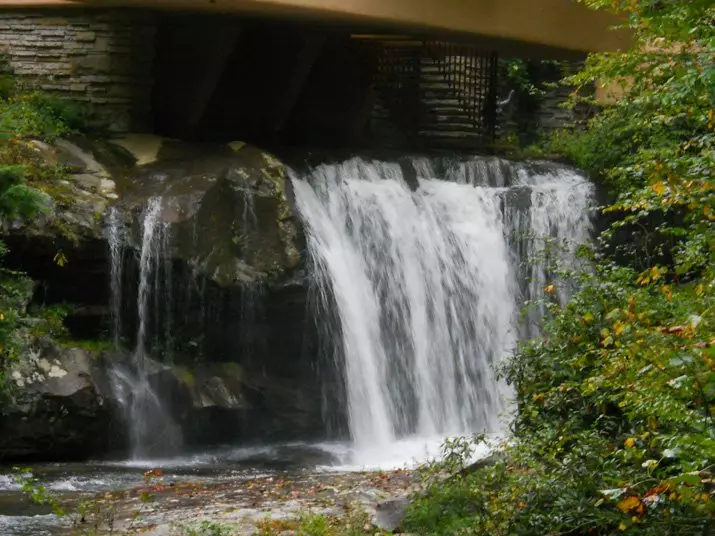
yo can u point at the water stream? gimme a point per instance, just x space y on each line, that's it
151 429
427 279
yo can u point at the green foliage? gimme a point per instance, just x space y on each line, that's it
314 525
37 493
27 116
33 114
615 431
204 528
49 322
17 201
29 186
355 522
526 77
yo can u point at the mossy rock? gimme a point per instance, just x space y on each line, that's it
80 176
226 209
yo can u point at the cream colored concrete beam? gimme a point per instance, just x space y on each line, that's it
561 24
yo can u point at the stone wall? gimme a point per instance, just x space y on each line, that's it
102 58
551 115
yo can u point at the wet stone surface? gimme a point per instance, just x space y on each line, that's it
160 507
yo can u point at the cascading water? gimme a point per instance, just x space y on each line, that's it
427 282
151 428
115 239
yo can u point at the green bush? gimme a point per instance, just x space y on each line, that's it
26 188
27 113
17 201
37 115
204 528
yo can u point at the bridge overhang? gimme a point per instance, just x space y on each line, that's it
563 25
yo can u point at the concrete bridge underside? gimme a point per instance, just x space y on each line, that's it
507 25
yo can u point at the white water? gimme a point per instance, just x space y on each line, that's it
115 240
151 428
427 284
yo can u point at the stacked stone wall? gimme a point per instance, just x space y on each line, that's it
101 58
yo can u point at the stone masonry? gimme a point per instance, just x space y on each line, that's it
102 58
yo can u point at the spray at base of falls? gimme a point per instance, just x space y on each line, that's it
427 283
151 428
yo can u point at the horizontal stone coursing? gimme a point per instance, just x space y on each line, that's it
101 58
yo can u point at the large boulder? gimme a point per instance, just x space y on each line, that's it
225 207
223 402
57 411
68 404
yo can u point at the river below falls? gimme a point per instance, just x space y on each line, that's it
239 486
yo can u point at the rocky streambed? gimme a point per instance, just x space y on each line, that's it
253 490
266 502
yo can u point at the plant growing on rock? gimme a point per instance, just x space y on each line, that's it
27 185
17 200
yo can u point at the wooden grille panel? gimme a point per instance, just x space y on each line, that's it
437 95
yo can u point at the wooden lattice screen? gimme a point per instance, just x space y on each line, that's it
437 95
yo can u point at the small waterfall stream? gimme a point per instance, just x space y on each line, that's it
151 428
115 239
427 280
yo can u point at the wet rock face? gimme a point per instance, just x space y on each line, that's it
226 207
223 402
59 411
66 407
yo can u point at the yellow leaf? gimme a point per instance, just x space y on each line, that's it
618 328
549 289
630 443
630 504
60 259
665 289
622 527
655 273
659 188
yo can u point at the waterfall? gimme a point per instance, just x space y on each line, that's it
427 281
115 239
151 428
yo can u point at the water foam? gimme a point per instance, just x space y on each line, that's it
427 281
